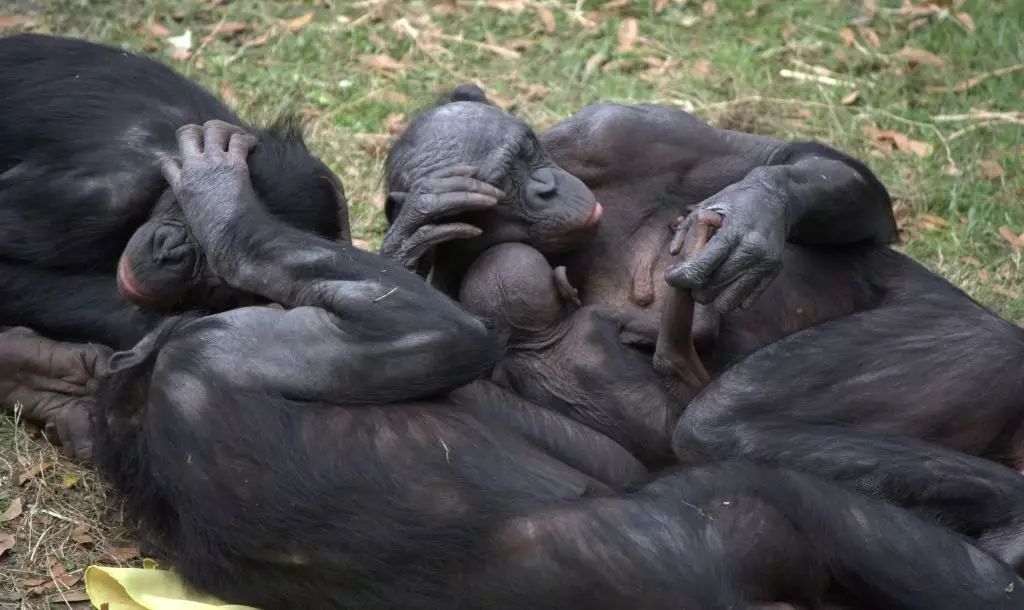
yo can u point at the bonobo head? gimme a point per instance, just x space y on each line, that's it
162 266
545 206
514 285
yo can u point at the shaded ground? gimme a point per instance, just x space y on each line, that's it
931 96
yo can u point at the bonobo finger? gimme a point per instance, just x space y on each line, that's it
697 272
241 145
739 290
217 134
171 169
464 183
429 236
681 231
756 294
456 203
453 170
190 140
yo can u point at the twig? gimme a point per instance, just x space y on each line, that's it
816 78
974 81
508 53
1016 118
956 135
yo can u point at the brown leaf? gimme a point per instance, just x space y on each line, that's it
970 260
229 28
614 64
593 63
13 511
991 169
847 36
158 30
701 68
149 46
869 36
25 583
70 596
615 5
935 220
13 21
499 101
395 123
709 9
180 54
660 6
889 140
294 25
1006 292
984 275
383 62
1015 241
919 56
547 18
6 543
125 553
81 536
228 94
628 31
966 21
259 41
32 472
851 98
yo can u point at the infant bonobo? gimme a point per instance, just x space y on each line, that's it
466 176
574 360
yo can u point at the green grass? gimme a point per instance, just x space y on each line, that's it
724 68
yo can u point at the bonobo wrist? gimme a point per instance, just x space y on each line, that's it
773 183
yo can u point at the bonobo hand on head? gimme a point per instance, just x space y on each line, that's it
538 203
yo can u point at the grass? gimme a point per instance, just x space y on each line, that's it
544 60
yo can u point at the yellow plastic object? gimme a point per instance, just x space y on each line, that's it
146 588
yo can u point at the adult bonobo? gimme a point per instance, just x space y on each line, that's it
465 176
864 346
84 209
311 458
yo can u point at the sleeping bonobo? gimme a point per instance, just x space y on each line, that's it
573 360
312 457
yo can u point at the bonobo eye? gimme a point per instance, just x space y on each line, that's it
542 184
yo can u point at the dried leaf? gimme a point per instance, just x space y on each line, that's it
395 123
6 543
25 583
869 36
970 260
1006 292
615 5
951 170
919 56
847 36
889 140
81 536
918 24
508 6
701 68
614 64
984 275
125 553
13 21
935 220
593 63
991 169
851 98
183 42
32 472
158 30
689 21
294 25
547 18
229 28
383 62
499 101
69 480
70 596
921 149
966 21
628 31
709 9
13 511
660 6
149 46
1015 241
228 94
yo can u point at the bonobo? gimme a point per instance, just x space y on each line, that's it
573 360
84 208
309 457
484 174
845 352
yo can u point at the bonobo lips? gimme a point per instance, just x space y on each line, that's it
126 283
595 215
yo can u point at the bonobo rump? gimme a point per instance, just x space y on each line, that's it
312 457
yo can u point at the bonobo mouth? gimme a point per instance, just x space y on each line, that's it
127 285
595 215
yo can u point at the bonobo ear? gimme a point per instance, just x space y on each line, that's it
468 92
146 348
393 206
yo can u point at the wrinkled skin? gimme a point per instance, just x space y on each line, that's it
52 383
223 434
571 360
465 176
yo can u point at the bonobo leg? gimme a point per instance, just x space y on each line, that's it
841 399
51 383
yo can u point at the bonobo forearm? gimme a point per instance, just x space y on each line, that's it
830 198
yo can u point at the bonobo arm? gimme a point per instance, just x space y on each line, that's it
809 194
361 315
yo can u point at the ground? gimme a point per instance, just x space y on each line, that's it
930 96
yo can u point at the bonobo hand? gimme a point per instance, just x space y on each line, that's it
52 383
211 183
446 192
743 256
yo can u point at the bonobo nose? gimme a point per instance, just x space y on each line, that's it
167 245
543 183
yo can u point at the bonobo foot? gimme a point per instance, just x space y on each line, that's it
52 382
444 193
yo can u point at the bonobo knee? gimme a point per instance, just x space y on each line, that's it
705 432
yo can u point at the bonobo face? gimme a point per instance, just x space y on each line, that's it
545 206
514 285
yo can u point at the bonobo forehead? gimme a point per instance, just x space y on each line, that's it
460 133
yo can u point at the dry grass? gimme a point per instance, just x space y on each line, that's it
357 68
